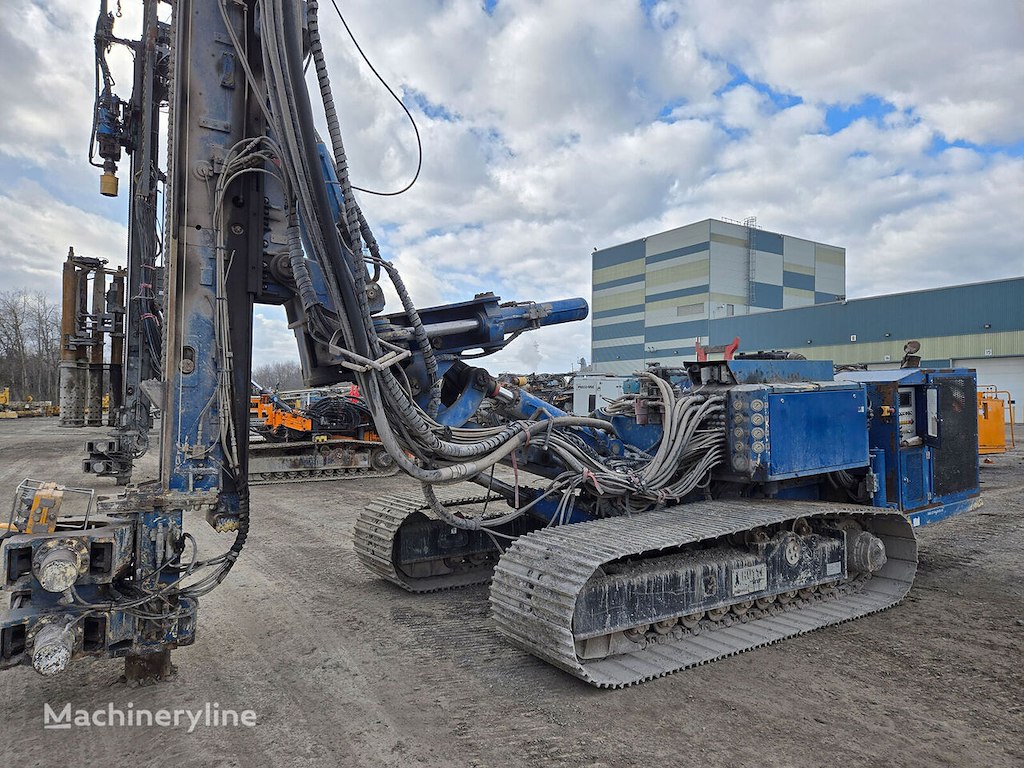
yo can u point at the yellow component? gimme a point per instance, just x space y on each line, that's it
273 418
106 402
991 424
45 507
108 184
887 411
5 396
319 438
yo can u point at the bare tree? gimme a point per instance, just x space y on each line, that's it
279 375
29 345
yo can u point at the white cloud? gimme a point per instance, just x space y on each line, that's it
960 66
545 139
36 230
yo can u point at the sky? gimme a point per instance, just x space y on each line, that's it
550 128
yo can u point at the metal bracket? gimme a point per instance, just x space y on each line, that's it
364 364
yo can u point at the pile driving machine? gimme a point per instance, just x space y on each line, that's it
713 509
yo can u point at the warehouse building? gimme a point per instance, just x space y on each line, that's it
653 298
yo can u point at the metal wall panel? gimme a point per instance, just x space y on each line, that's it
619 254
729 269
796 297
954 311
830 279
728 229
799 251
768 242
768 269
681 237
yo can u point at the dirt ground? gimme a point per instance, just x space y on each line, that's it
344 670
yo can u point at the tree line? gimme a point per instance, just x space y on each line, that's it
30 350
29 345
278 375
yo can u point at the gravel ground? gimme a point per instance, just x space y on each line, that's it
344 670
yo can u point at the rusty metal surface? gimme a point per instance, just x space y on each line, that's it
538 579
307 462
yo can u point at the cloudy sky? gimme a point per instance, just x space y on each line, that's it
551 127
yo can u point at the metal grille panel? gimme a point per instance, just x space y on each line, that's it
956 459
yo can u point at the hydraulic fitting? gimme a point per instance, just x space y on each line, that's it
864 552
52 648
58 564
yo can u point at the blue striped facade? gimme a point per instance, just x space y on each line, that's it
621 352
952 311
619 254
677 252
618 311
673 282
798 280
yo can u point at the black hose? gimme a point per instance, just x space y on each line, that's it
304 116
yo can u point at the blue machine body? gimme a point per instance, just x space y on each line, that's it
924 436
784 431
908 437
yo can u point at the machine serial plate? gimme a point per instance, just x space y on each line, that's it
751 579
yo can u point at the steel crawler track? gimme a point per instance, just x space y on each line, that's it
318 475
273 463
537 581
378 525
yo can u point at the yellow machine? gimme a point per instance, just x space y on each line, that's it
993 405
6 412
12 409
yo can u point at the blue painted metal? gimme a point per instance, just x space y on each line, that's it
769 295
915 478
600 314
529 406
334 195
749 371
878 497
782 431
463 409
906 473
643 437
797 280
619 254
681 293
618 330
618 282
767 242
495 321
942 511
675 253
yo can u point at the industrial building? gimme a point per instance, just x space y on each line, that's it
652 297
717 280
